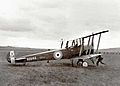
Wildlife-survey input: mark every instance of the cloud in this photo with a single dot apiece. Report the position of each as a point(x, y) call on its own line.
point(56, 19)
point(19, 25)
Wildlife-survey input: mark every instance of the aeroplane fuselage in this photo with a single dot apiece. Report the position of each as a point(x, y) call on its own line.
point(48, 55)
point(77, 49)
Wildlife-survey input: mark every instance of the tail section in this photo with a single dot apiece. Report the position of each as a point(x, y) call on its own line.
point(11, 57)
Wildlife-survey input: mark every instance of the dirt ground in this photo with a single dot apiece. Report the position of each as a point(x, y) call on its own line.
point(60, 73)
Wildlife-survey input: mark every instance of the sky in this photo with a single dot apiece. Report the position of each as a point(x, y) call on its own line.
point(43, 23)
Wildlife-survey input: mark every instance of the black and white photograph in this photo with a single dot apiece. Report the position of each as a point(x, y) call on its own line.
point(59, 42)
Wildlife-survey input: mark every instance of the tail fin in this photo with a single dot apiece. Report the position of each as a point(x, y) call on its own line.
point(11, 57)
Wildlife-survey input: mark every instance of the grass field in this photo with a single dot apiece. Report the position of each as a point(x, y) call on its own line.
point(58, 73)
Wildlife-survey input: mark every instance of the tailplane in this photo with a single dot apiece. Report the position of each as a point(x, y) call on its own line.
point(11, 57)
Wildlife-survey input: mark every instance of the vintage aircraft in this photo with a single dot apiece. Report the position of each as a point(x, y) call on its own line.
point(77, 51)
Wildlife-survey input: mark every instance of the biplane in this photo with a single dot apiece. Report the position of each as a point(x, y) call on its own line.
point(73, 50)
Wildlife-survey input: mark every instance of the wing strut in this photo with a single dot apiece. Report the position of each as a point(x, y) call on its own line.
point(88, 50)
point(81, 46)
point(98, 43)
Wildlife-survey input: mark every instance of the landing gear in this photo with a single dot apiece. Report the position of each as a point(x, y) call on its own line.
point(24, 64)
point(72, 62)
point(79, 60)
point(85, 64)
point(48, 61)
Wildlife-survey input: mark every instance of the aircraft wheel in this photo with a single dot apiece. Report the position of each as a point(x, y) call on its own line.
point(24, 63)
point(85, 64)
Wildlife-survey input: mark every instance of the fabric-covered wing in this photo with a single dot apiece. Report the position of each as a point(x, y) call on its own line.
point(90, 56)
point(87, 56)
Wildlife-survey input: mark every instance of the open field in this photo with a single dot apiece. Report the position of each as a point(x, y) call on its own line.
point(58, 73)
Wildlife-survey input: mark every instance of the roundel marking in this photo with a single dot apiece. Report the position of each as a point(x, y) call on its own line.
point(12, 53)
point(58, 55)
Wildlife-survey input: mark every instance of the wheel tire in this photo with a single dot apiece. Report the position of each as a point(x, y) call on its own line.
point(85, 64)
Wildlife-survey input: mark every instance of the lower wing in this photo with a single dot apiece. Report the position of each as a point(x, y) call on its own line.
point(90, 56)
